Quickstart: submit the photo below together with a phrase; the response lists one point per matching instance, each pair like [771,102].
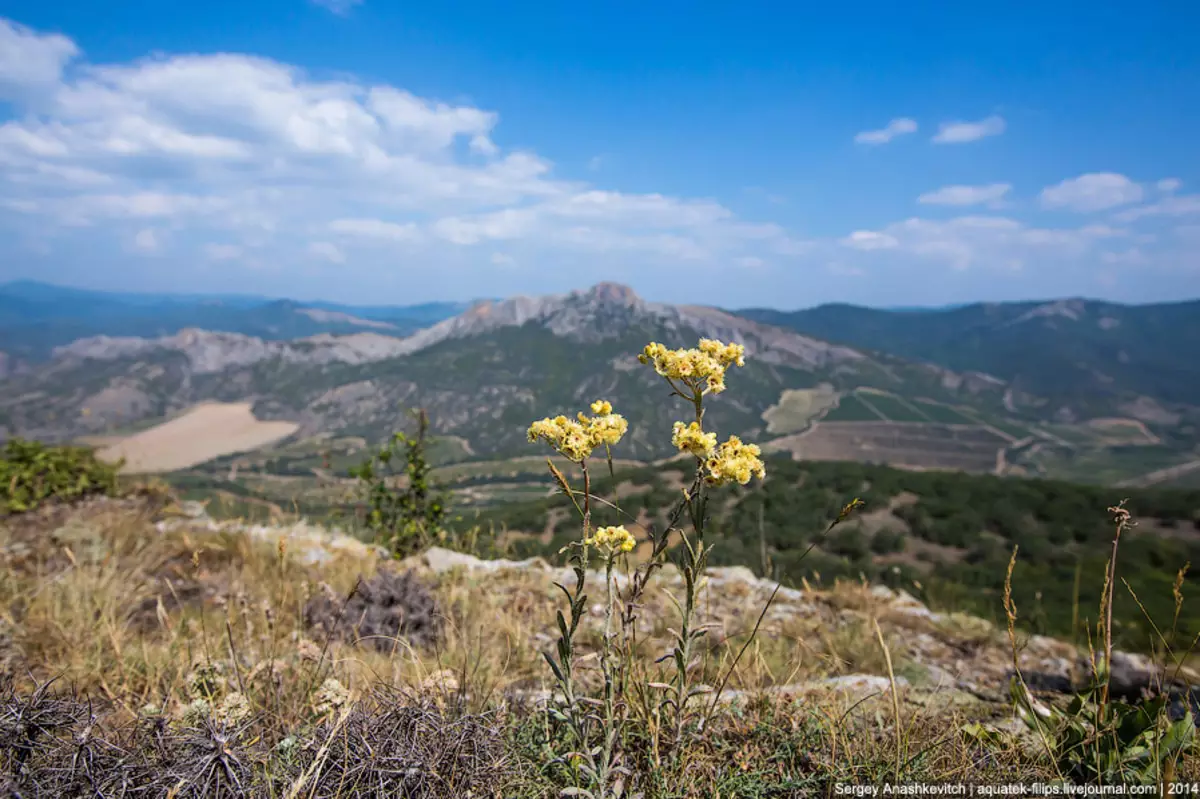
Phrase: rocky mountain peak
[609,293]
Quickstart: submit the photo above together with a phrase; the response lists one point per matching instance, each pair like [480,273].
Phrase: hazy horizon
[385,303]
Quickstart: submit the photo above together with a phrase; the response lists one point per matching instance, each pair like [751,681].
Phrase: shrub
[32,473]
[404,519]
[390,605]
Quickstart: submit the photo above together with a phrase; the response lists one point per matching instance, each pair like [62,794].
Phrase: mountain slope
[1084,356]
[484,374]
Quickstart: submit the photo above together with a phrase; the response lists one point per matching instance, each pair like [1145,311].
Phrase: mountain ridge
[485,372]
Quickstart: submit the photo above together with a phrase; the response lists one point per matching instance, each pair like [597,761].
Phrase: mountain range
[35,318]
[1011,388]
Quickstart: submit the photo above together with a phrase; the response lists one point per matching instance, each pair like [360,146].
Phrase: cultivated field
[205,432]
[798,407]
[913,444]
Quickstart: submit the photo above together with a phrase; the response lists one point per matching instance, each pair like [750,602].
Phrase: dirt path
[1161,475]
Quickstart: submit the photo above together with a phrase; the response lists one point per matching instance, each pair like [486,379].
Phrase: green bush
[32,473]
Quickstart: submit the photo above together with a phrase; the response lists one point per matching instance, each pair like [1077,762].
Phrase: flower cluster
[691,438]
[576,438]
[734,461]
[613,539]
[701,369]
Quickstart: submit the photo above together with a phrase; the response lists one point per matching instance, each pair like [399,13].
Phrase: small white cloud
[323,249]
[963,132]
[1181,205]
[31,60]
[749,262]
[339,7]
[1131,257]
[222,252]
[147,241]
[1094,191]
[993,242]
[1168,185]
[375,228]
[500,259]
[481,144]
[870,240]
[991,194]
[595,162]
[897,127]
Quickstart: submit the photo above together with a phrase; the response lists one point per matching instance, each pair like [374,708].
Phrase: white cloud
[1130,257]
[339,7]
[1179,205]
[749,262]
[1168,185]
[500,259]
[962,132]
[897,127]
[993,194]
[1095,191]
[482,145]
[870,240]
[330,252]
[993,242]
[147,241]
[230,144]
[375,228]
[222,252]
[31,61]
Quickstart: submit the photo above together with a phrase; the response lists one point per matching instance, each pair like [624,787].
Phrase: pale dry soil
[207,431]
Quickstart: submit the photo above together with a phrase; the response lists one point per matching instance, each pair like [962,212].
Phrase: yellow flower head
[576,438]
[735,461]
[613,539]
[702,368]
[691,438]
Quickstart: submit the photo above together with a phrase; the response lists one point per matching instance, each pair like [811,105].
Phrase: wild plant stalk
[597,761]
[1095,738]
[691,374]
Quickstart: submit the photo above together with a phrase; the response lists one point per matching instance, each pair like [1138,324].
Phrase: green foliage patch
[32,473]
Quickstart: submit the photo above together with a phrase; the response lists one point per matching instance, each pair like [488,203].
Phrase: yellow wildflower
[576,438]
[691,438]
[607,429]
[612,539]
[701,369]
[735,461]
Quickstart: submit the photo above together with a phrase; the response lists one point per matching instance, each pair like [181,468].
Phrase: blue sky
[750,154]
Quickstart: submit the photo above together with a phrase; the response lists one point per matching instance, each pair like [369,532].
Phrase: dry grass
[198,656]
[207,431]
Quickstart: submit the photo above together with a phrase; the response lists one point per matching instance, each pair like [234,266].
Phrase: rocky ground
[828,630]
[235,647]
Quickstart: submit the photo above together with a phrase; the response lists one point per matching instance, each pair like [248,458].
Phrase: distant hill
[37,317]
[1083,356]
